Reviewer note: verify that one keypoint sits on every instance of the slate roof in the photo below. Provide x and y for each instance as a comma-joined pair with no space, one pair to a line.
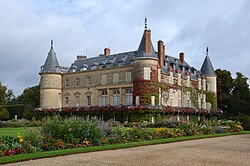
142,47
51,64
175,63
101,62
207,67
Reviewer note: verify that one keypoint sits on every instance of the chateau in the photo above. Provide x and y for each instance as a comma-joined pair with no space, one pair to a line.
144,77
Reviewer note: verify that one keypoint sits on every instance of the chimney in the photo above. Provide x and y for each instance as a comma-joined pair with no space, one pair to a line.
80,57
161,53
147,41
106,51
182,57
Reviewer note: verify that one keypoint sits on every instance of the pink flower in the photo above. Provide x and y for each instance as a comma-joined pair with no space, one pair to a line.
38,131
70,129
31,128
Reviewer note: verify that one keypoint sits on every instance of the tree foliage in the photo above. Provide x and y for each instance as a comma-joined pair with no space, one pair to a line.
233,94
6,95
30,97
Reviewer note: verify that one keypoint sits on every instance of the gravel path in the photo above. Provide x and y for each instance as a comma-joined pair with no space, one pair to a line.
229,150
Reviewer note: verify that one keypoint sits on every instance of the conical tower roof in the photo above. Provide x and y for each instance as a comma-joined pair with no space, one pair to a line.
51,62
146,48
207,67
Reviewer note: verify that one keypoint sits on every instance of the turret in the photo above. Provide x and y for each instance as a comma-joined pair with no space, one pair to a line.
51,82
208,71
145,71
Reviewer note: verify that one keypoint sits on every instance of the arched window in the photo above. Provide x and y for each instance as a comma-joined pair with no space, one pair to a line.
104,98
116,97
128,96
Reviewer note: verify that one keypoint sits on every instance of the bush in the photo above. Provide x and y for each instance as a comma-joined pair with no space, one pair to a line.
164,133
74,130
246,123
189,128
20,123
4,114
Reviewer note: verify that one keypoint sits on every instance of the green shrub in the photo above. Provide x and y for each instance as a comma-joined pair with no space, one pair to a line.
246,123
4,114
73,130
189,128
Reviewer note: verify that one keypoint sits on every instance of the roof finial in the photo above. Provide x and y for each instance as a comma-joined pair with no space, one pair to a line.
51,43
207,51
145,21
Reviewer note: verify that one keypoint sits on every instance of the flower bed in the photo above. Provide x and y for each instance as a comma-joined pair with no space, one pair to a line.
74,132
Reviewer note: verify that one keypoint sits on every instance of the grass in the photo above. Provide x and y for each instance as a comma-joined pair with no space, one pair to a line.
14,131
23,157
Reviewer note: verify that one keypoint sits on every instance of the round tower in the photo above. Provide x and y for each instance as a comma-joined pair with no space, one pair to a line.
51,82
208,70
145,90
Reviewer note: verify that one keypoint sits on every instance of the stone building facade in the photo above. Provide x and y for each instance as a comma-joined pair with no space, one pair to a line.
135,78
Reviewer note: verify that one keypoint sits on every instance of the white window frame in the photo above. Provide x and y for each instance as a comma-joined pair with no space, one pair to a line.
171,78
77,101
104,79
188,81
128,76
115,78
171,99
128,97
146,73
159,75
88,100
116,97
104,98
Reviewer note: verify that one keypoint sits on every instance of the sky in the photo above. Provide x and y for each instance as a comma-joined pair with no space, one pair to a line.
80,27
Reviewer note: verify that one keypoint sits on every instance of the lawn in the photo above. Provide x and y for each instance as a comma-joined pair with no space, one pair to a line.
14,131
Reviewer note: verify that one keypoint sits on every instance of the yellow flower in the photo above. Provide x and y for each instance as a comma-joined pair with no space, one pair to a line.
20,140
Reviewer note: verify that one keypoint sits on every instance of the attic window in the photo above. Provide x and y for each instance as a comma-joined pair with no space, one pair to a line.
83,68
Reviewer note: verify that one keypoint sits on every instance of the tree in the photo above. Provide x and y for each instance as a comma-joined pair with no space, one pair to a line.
225,85
241,94
6,95
4,114
30,97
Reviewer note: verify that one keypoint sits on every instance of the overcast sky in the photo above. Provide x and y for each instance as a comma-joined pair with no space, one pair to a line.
87,27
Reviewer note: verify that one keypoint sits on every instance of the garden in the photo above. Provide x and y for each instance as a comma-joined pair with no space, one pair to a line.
58,134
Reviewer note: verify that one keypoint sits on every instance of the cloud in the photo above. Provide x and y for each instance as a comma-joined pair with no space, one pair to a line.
87,27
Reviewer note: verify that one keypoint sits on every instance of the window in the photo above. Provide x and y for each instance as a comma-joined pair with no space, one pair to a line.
188,81
88,100
128,76
78,82
115,78
66,83
66,101
104,80
204,84
137,100
171,78
199,83
179,79
199,101
104,98
77,101
116,97
171,101
153,100
159,75
179,98
88,81
147,73
128,96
